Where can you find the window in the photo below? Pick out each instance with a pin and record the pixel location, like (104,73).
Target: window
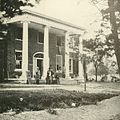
(71,65)
(40,38)
(18,58)
(58,63)
(74,42)
(59,40)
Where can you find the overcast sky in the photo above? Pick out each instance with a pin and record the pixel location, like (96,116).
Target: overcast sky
(78,12)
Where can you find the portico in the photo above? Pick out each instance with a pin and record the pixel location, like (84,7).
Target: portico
(46,25)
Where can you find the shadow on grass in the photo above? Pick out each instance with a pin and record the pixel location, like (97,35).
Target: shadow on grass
(19,101)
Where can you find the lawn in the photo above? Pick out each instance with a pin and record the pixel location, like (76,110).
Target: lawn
(20,101)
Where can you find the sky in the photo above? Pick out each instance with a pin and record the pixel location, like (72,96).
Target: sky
(78,12)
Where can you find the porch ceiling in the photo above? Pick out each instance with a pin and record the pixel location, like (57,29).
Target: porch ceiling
(40,28)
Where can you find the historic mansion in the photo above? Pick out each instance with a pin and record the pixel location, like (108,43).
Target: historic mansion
(37,40)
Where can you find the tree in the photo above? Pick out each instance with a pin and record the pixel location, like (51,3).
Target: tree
(96,62)
(112,15)
(97,50)
(96,59)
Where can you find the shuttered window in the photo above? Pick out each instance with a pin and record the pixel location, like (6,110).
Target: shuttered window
(18,58)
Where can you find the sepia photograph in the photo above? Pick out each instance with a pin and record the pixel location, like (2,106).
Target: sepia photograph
(59,59)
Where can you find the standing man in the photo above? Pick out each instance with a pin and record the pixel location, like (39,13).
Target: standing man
(50,76)
(37,76)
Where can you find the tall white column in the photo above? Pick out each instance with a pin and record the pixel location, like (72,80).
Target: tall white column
(25,50)
(46,52)
(67,55)
(34,66)
(80,67)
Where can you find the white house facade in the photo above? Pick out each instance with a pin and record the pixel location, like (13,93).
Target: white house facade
(41,41)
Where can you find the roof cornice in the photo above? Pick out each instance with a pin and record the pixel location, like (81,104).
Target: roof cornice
(52,19)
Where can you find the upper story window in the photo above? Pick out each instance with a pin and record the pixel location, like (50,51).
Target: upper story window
(59,41)
(18,59)
(71,65)
(74,42)
(40,37)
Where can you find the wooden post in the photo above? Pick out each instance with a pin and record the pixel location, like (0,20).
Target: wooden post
(85,70)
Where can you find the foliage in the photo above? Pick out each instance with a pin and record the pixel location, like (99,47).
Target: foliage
(103,43)
(19,101)
(97,49)
(10,8)
(111,14)
(102,70)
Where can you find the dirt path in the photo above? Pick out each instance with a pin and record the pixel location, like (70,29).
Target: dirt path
(91,87)
(104,110)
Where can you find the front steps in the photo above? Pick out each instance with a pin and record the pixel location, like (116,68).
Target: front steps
(63,81)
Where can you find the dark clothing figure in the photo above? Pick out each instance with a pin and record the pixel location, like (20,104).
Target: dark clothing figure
(57,78)
(50,75)
(37,76)
(52,78)
(48,78)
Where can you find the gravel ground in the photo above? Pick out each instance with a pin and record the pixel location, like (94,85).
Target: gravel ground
(92,87)
(108,109)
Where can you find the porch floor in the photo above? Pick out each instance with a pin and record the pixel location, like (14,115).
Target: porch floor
(63,81)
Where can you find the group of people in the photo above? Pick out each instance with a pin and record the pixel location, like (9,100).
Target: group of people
(51,77)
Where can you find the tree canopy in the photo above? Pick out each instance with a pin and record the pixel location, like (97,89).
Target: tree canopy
(9,8)
(111,14)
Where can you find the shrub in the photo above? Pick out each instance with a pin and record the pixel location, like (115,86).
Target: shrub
(21,101)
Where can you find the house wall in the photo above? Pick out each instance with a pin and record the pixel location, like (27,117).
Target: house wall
(54,50)
(11,53)
(33,47)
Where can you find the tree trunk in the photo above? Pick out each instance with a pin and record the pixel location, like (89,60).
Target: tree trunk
(114,32)
(96,74)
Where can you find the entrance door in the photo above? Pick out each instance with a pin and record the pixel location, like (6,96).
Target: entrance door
(38,62)
(40,65)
